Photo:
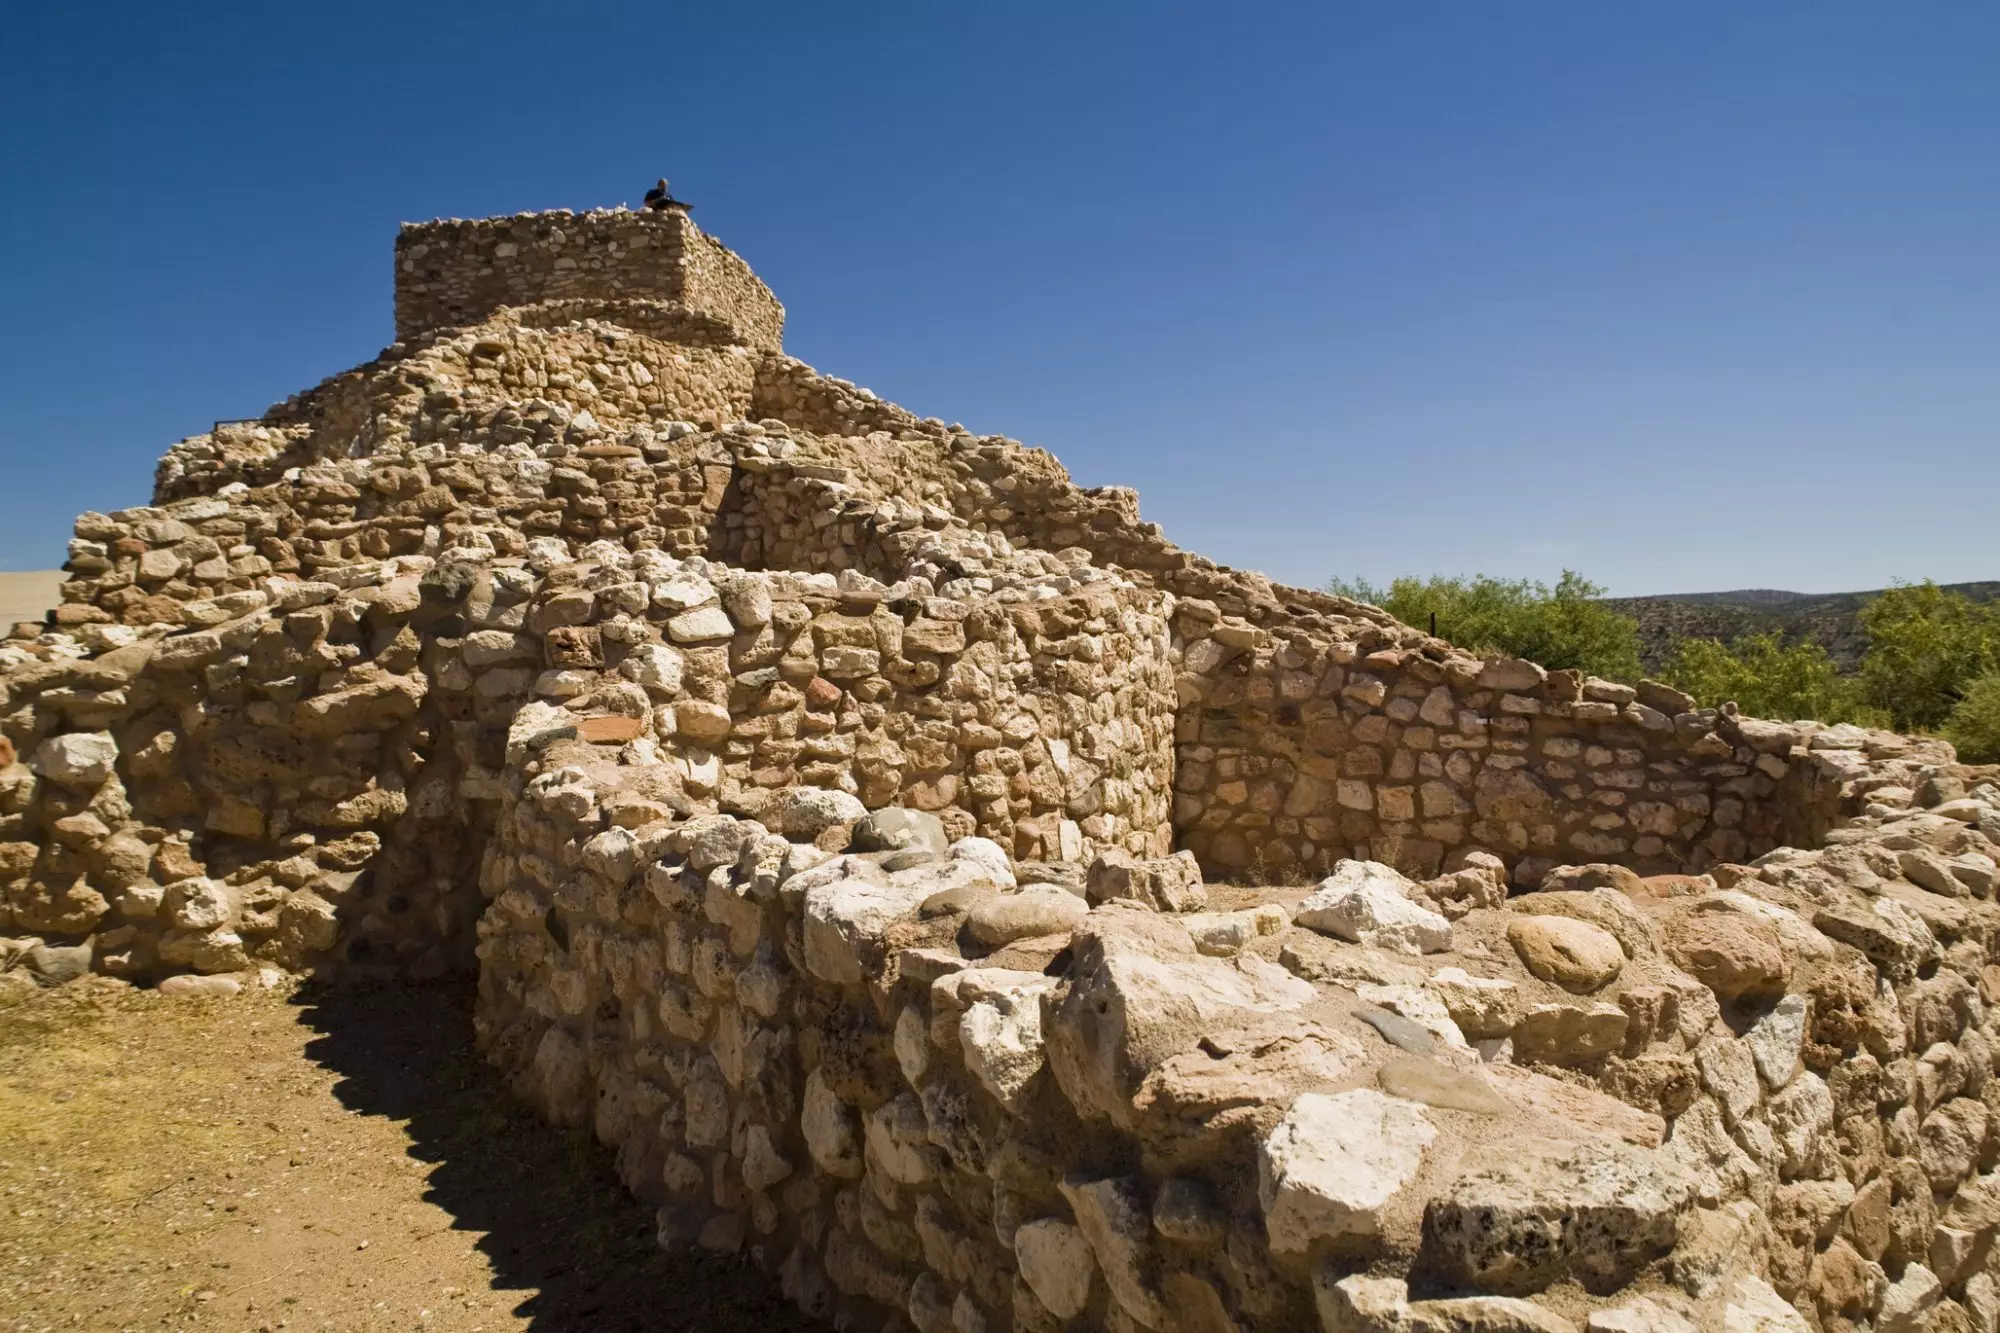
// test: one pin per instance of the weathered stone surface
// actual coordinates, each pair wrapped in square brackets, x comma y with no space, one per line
[1369,903]
[848,913]
[1575,955]
[1057,1264]
[1331,1165]
[80,759]
[1731,953]
[1000,1032]
[1594,1210]
[997,920]
[1112,1216]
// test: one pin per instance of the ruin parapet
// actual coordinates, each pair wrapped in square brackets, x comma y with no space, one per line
[452,272]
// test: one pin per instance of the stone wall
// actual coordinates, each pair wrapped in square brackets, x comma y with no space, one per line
[916,1081]
[459,271]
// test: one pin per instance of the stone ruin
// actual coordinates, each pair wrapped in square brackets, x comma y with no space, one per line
[968,906]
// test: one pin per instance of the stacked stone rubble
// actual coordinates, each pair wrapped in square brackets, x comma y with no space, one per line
[825,796]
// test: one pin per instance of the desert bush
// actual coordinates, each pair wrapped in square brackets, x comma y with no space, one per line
[1925,647]
[1974,725]
[1765,678]
[1560,627]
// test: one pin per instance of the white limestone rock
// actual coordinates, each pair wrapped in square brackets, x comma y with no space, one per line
[1752,1307]
[1777,1041]
[831,1129]
[848,915]
[1368,903]
[1331,1165]
[803,813]
[1000,1032]
[1056,1263]
[81,760]
[988,853]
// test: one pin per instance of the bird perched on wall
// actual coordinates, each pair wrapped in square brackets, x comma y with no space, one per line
[659,200]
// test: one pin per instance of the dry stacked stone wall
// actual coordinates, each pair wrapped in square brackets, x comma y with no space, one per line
[459,271]
[946,892]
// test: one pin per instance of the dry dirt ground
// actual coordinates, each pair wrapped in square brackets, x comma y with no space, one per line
[340,1161]
[27,596]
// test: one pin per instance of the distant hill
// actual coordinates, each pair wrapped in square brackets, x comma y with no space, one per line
[1830,619]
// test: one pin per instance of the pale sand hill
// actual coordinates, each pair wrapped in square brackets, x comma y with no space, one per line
[27,596]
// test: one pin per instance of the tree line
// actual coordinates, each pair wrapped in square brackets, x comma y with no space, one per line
[1932,665]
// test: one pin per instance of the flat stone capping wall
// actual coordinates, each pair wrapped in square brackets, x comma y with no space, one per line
[459,271]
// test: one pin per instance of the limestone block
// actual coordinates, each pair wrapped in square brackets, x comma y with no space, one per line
[1334,1162]
[1224,934]
[1595,1209]
[896,828]
[848,915]
[1000,1032]
[803,813]
[1732,953]
[1113,1217]
[80,760]
[898,1140]
[656,667]
[1056,1262]
[707,624]
[1368,903]
[1776,1041]
[1481,1007]
[1135,994]
[986,853]
[831,1129]
[1168,884]
[1570,1034]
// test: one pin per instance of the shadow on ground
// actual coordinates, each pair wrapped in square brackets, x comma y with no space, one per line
[559,1227]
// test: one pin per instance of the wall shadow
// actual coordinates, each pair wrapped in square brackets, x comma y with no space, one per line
[559,1227]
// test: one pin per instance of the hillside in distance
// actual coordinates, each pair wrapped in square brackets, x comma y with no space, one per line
[1832,619]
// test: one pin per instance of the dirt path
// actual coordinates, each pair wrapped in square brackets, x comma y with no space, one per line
[345,1163]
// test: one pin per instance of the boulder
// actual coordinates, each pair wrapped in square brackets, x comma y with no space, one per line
[1007,917]
[1575,955]
[1368,903]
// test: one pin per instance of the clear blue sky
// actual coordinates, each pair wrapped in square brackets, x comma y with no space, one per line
[1683,295]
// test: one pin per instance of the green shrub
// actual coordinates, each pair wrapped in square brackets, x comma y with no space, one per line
[1974,725]
[1764,678]
[1925,646]
[1560,627]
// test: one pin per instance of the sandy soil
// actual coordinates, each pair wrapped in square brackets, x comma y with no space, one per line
[27,596]
[333,1162]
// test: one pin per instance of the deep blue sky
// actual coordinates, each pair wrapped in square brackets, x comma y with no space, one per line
[1683,295]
